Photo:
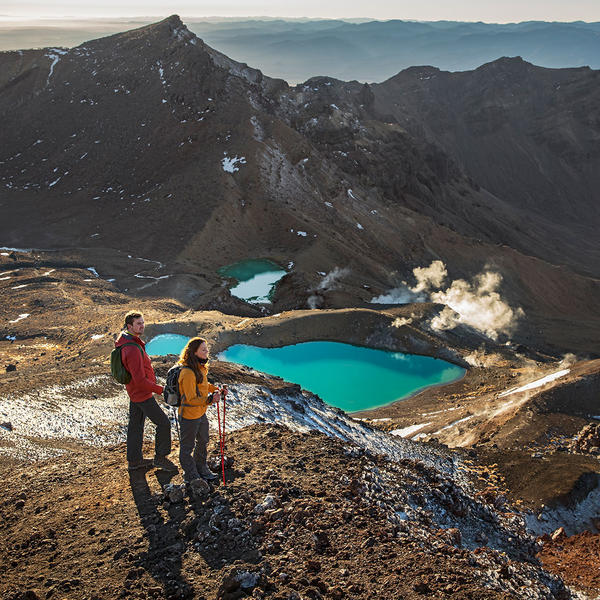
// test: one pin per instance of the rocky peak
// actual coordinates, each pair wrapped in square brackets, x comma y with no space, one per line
[174,21]
[171,26]
[507,67]
[155,39]
[422,73]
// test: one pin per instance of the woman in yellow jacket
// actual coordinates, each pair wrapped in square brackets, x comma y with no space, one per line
[196,395]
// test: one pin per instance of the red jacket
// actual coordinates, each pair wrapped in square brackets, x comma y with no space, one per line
[143,380]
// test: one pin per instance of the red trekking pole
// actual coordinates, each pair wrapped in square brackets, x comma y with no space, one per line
[222,430]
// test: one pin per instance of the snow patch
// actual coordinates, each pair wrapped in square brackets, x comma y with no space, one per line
[408,431]
[54,54]
[20,317]
[401,322]
[161,73]
[80,411]
[453,424]
[230,164]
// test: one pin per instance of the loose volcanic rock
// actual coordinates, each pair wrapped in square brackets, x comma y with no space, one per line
[199,488]
[174,493]
[588,439]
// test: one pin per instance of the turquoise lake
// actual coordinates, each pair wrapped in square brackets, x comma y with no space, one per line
[349,377]
[166,343]
[256,279]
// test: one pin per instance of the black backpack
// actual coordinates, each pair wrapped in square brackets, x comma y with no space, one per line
[171,390]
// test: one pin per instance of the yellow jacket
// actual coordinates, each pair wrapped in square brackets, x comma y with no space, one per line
[194,397]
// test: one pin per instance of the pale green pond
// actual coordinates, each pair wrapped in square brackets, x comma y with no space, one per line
[256,279]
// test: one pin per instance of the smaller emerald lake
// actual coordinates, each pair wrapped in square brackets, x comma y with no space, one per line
[349,377]
[256,279]
[166,343]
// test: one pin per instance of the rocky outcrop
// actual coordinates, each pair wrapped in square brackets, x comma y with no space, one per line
[283,525]
[588,440]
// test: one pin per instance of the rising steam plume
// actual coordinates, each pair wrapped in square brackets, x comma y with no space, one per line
[329,282]
[476,303]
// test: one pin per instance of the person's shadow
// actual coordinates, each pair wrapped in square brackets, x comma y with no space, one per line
[165,544]
[211,528]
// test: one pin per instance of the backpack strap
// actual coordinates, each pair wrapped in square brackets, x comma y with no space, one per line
[133,344]
[183,398]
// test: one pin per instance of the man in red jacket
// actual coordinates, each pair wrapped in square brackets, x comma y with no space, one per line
[142,403]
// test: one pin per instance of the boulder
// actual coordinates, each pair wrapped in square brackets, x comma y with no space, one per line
[174,493]
[198,488]
[269,502]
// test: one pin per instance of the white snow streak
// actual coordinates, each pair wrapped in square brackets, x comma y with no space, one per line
[453,424]
[408,431]
[54,54]
[537,383]
[20,318]
[74,411]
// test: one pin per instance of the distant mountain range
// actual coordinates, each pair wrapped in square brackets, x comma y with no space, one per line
[152,142]
[376,50]
[371,51]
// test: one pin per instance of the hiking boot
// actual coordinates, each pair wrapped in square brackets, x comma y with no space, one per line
[145,463]
[162,462]
[206,473]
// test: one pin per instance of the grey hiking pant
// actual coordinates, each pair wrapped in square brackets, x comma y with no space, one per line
[194,439]
[138,411]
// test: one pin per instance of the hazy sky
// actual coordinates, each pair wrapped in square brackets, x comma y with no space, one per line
[498,11]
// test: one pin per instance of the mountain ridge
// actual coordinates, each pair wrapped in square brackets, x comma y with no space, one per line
[178,128]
